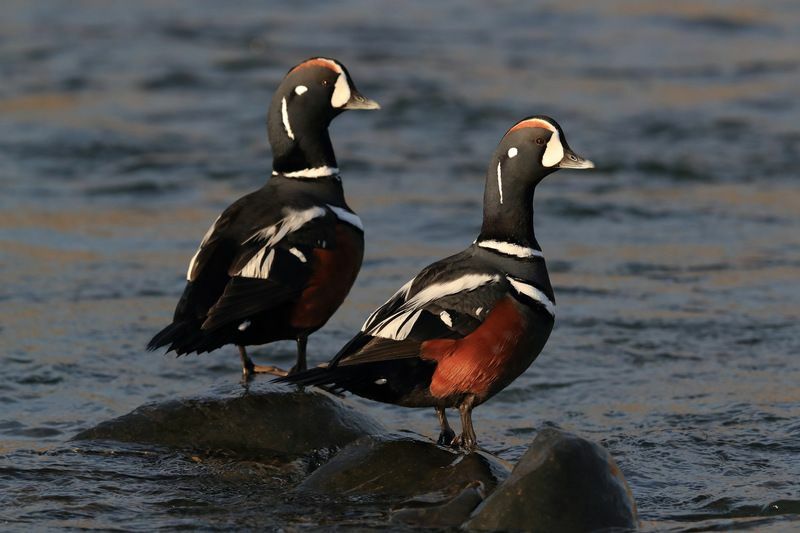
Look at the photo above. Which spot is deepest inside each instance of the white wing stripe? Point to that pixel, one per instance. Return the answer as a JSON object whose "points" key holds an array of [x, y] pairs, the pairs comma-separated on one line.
{"points": [[257, 267], [207, 236], [399, 325], [346, 216], [292, 221], [402, 290], [535, 294]]}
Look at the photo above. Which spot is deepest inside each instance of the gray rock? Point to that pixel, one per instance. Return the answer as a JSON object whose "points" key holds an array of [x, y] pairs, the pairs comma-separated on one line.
{"points": [[401, 467], [563, 483], [261, 418], [446, 508]]}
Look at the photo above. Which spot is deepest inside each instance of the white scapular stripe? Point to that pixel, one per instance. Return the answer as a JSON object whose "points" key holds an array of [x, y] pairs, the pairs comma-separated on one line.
{"points": [[509, 248], [341, 91], [554, 152], [316, 172], [258, 267], [446, 318], [500, 182], [193, 260], [401, 292], [291, 221], [399, 325], [298, 254], [285, 117], [346, 216], [532, 292], [244, 325]]}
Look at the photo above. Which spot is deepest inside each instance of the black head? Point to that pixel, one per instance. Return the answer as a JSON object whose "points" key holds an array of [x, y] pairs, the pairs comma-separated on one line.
{"points": [[533, 148], [311, 95]]}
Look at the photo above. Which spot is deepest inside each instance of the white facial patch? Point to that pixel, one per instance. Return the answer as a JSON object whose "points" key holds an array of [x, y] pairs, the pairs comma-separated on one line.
{"points": [[512, 152], [285, 117], [341, 91], [554, 152], [300, 89]]}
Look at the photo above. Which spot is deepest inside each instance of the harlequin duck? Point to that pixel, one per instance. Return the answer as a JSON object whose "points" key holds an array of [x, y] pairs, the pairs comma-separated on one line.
{"points": [[466, 326], [278, 262]]}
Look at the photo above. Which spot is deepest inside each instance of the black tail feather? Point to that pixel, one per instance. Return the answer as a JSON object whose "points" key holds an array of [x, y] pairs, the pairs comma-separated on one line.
{"points": [[314, 376], [180, 336]]}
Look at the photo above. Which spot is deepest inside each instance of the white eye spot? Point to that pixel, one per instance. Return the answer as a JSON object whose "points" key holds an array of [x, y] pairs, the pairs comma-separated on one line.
{"points": [[554, 152], [341, 91], [512, 152], [381, 381], [300, 89]]}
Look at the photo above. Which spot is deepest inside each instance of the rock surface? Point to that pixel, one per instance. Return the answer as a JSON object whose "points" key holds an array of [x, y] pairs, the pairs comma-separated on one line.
{"points": [[401, 467], [562, 483], [260, 418]]}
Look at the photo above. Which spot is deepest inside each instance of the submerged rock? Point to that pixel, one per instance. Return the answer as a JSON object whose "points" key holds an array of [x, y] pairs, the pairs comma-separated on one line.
{"points": [[562, 483], [401, 467], [262, 417]]}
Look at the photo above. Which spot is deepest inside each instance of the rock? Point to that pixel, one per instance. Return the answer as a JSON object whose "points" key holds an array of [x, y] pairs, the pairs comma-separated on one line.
{"points": [[447, 508], [563, 483], [263, 417], [401, 467]]}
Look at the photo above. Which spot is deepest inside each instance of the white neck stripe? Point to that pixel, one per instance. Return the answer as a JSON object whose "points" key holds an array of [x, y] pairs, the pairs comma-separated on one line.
{"points": [[285, 117], [509, 248], [316, 172], [500, 182]]}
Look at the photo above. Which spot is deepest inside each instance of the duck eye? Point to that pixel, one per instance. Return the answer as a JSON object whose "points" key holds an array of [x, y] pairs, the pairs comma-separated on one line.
{"points": [[325, 83], [540, 141]]}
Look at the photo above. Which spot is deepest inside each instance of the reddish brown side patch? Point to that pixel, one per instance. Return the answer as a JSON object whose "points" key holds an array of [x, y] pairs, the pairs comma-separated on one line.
{"points": [[472, 364], [334, 273]]}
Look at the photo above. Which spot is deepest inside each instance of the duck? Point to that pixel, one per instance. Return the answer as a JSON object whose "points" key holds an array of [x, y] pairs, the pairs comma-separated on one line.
{"points": [[279, 261], [466, 326]]}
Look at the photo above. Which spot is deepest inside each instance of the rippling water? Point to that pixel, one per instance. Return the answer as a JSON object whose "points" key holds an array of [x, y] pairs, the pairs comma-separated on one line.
{"points": [[127, 127]]}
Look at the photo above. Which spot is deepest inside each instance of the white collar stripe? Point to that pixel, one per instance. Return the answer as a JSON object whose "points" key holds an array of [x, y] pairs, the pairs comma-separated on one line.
{"points": [[316, 172], [509, 248]]}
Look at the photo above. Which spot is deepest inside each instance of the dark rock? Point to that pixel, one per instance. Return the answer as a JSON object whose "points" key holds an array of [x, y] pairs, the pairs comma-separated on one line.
{"points": [[446, 508], [263, 417], [401, 467], [563, 483]]}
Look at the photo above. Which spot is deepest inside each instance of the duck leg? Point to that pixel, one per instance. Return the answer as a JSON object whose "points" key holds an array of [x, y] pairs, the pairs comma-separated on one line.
{"points": [[300, 366], [446, 434], [467, 440], [248, 368]]}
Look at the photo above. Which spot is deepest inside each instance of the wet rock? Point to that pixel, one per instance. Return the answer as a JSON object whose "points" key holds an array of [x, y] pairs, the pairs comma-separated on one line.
{"points": [[446, 508], [562, 483], [263, 417], [401, 467]]}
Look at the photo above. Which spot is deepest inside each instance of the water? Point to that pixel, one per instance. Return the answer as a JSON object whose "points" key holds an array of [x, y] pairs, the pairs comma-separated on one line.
{"points": [[127, 127]]}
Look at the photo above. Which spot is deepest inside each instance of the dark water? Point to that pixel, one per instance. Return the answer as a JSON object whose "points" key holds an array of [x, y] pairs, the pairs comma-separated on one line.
{"points": [[127, 127]]}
